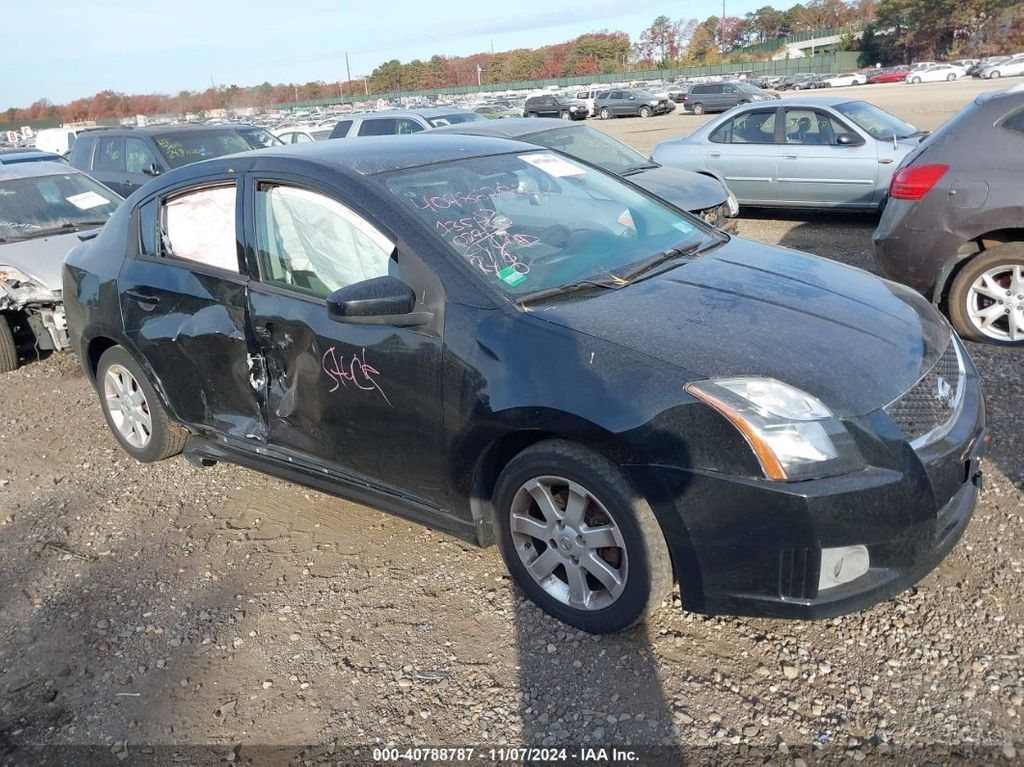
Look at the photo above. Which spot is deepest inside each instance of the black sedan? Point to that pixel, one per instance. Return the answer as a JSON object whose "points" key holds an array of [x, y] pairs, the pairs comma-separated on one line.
{"points": [[701, 195], [514, 346]]}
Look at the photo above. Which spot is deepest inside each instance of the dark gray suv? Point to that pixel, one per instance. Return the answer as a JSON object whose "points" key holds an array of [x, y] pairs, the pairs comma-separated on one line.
{"points": [[952, 228], [627, 103], [718, 97]]}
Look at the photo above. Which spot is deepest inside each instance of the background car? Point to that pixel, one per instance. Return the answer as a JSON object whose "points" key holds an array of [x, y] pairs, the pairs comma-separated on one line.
{"points": [[516, 347], [17, 156], [303, 134], [718, 97], [124, 159], [975, 69], [551, 105], [844, 79], [622, 102], [701, 195], [400, 122], [936, 73], [952, 225], [819, 152], [1013, 67], [891, 75], [43, 205], [677, 92]]}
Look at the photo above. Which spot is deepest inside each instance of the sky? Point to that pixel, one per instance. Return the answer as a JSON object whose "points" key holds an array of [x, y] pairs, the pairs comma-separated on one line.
{"points": [[66, 50]]}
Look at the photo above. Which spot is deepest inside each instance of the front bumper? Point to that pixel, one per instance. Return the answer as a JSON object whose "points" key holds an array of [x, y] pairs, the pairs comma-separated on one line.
{"points": [[744, 546]]}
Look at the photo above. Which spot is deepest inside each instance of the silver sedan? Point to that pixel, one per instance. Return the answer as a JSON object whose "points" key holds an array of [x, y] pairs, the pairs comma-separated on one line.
{"points": [[813, 152]]}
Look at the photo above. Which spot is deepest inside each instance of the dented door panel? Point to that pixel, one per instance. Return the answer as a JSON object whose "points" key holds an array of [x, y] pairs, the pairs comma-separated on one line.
{"points": [[191, 327]]}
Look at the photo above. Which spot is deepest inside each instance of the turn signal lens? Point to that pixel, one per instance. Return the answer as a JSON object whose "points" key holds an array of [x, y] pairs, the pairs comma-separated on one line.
{"points": [[915, 181]]}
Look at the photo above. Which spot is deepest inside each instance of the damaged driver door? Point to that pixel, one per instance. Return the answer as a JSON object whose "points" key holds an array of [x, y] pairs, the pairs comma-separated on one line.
{"points": [[183, 301]]}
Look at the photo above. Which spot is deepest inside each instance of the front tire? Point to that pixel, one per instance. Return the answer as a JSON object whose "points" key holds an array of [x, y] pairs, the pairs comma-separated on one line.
{"points": [[995, 74], [8, 349], [915, 80], [579, 541], [133, 409], [565, 115], [986, 300], [950, 77], [605, 114], [645, 111]]}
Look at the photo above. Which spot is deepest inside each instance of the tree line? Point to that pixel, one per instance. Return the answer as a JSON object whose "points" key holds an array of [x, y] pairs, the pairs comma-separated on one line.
{"points": [[886, 31]]}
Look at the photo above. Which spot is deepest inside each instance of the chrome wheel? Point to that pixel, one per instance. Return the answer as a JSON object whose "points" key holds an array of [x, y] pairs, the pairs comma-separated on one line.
{"points": [[995, 303], [127, 406], [569, 543]]}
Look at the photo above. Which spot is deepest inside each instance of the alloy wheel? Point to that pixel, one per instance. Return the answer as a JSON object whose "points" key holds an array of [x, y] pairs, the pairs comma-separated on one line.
{"points": [[569, 542], [127, 406], [995, 303]]}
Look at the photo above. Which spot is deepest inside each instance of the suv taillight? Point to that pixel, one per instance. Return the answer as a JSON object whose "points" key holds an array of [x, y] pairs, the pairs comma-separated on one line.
{"points": [[915, 181]]}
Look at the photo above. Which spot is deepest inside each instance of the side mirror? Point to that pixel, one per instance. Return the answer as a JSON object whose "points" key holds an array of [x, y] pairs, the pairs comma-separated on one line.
{"points": [[632, 98], [848, 139], [380, 301], [152, 169]]}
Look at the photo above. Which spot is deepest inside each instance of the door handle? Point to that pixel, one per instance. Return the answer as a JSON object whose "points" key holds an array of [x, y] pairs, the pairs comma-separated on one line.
{"points": [[789, 156], [144, 299], [714, 154]]}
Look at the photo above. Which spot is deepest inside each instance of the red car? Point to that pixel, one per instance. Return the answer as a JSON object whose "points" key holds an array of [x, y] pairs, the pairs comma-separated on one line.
{"points": [[891, 76]]}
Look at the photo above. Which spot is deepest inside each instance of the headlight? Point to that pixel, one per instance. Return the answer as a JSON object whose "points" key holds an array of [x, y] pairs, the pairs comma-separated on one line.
{"points": [[653, 102], [12, 275], [792, 433]]}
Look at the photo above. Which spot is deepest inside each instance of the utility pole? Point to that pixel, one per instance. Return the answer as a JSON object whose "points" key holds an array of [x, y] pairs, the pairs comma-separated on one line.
{"points": [[721, 30], [479, 71], [348, 72]]}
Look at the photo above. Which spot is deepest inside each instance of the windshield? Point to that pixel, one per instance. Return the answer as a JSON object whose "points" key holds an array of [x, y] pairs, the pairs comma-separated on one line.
{"points": [[188, 147], [32, 207], [748, 88], [536, 221], [257, 138], [879, 123], [593, 146], [454, 118]]}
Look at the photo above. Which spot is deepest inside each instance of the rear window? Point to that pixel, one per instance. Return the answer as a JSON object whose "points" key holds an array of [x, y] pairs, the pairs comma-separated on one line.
{"points": [[454, 119], [184, 148]]}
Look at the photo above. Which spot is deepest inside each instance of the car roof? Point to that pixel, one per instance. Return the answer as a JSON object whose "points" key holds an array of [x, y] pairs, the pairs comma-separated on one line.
{"points": [[26, 151], [817, 101], [380, 154], [40, 169], [174, 128], [510, 127], [425, 112]]}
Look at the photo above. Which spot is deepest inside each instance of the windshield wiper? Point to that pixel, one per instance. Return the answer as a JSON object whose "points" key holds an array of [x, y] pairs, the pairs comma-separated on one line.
{"points": [[572, 287], [637, 168], [662, 257], [66, 226]]}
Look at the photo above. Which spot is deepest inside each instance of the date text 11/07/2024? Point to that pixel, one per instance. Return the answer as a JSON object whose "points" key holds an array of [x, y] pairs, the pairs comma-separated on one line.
{"points": [[501, 755]]}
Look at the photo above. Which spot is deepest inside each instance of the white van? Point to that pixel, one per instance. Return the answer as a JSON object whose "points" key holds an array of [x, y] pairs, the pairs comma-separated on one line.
{"points": [[57, 140], [587, 96]]}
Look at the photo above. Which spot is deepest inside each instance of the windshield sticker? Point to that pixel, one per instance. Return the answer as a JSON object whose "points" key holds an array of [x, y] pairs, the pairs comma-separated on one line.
{"points": [[683, 227], [87, 200], [511, 276], [626, 219], [552, 165]]}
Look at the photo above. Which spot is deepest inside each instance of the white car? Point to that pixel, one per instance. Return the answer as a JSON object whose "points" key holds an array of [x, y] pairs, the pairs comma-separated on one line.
{"points": [[1014, 66], [936, 73], [303, 134], [845, 78]]}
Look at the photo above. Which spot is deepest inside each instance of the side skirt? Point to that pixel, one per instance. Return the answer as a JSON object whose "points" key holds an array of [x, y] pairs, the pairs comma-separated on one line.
{"points": [[202, 451]]}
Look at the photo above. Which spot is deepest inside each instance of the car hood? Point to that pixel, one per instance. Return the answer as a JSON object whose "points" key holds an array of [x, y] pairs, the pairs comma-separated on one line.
{"points": [[41, 258], [684, 189], [853, 340]]}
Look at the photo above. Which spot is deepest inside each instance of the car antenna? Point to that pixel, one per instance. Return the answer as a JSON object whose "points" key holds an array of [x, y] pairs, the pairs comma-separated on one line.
{"points": [[895, 146]]}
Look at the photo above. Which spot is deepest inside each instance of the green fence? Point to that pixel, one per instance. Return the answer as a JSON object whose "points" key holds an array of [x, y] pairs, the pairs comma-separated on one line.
{"points": [[830, 62]]}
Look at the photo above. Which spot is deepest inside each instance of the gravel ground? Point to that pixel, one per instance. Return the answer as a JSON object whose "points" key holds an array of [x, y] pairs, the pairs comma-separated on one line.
{"points": [[166, 604]]}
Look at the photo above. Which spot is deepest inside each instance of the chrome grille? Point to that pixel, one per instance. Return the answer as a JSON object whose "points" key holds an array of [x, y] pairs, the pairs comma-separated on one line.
{"points": [[926, 411]]}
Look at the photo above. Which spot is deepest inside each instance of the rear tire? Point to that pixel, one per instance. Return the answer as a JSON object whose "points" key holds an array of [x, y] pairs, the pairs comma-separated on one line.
{"points": [[697, 109], [579, 541], [8, 350], [133, 410], [979, 306], [915, 80]]}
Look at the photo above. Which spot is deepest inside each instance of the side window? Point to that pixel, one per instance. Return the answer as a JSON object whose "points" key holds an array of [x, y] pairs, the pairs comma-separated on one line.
{"points": [[380, 126], [757, 127], [148, 229], [109, 154], [407, 126], [809, 126], [300, 138], [730, 89], [138, 155], [308, 242], [199, 226], [1015, 122], [341, 129]]}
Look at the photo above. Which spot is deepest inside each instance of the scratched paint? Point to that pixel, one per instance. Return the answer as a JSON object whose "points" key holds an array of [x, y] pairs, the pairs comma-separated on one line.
{"points": [[355, 371]]}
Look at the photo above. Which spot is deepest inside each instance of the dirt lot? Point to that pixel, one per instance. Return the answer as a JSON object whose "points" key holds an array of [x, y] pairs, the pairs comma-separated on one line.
{"points": [[165, 604]]}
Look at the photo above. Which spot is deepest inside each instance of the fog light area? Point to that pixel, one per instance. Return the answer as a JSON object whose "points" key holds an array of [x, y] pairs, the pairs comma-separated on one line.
{"points": [[842, 565]]}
